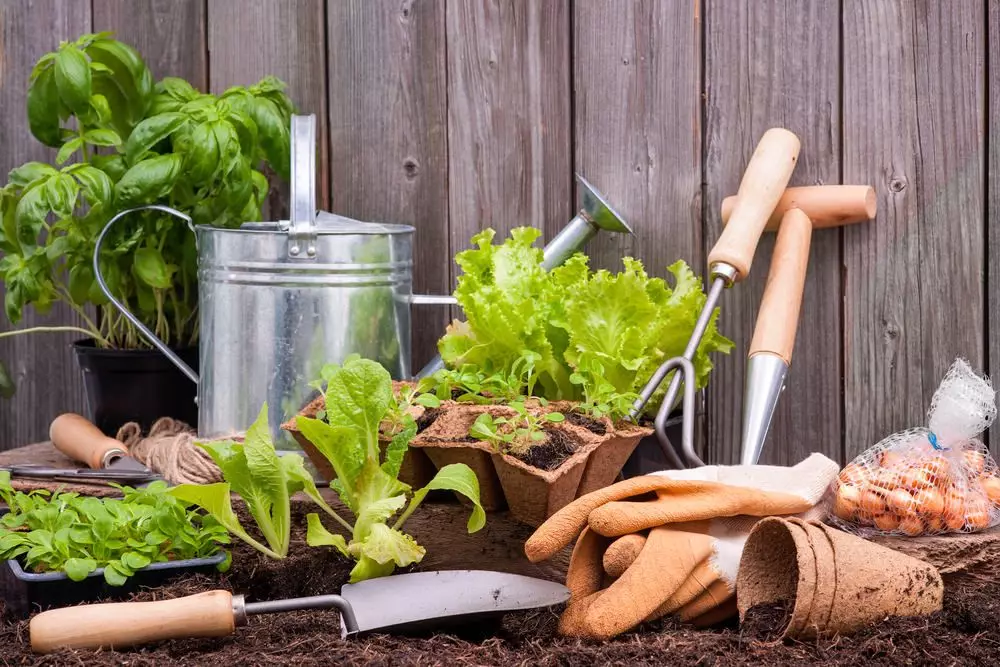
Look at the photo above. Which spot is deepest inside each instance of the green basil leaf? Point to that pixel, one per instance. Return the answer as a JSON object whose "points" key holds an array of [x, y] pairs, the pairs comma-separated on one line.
{"points": [[60, 195], [68, 148], [273, 135], [30, 214], [81, 277], [150, 132], [147, 181], [102, 138], [29, 172], [43, 109], [151, 268], [96, 184], [239, 187], [246, 129], [100, 67], [229, 146], [101, 109], [7, 386], [112, 165], [203, 154], [73, 79], [130, 75]]}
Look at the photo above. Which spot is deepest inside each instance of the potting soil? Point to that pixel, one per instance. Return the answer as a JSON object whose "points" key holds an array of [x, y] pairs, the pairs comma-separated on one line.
{"points": [[550, 453], [966, 632]]}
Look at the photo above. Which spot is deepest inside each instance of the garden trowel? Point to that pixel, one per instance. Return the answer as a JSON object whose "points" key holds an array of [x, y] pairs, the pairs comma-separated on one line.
{"points": [[398, 603], [81, 440]]}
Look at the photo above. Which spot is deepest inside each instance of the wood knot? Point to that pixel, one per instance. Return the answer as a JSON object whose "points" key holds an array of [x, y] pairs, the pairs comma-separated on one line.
{"points": [[411, 167], [897, 184]]}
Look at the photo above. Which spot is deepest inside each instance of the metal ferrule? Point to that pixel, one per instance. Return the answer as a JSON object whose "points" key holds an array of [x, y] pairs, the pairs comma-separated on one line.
{"points": [[764, 382], [240, 610], [726, 272]]}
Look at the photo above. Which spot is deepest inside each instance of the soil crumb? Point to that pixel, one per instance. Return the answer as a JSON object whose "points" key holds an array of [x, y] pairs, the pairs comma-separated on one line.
{"points": [[586, 422], [766, 622], [550, 453], [427, 418]]}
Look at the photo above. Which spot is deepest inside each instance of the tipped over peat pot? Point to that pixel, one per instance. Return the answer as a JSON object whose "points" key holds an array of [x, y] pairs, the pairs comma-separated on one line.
{"points": [[136, 386]]}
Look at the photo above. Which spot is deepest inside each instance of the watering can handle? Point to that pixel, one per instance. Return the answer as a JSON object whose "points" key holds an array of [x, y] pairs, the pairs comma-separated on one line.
{"points": [[302, 226], [149, 335]]}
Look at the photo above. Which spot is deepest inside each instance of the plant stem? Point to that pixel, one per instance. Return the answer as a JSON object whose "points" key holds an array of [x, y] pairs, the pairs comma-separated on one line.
{"points": [[339, 519], [92, 334]]}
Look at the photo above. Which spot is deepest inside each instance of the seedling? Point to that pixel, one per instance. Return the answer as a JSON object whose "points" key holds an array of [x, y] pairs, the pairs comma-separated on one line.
{"points": [[516, 434], [66, 532], [600, 398]]}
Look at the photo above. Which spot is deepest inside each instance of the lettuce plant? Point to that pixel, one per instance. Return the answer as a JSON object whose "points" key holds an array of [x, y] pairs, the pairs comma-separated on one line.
{"points": [[265, 481], [590, 335], [358, 398]]}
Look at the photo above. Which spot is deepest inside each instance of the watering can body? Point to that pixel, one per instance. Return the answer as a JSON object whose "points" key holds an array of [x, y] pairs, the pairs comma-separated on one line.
{"points": [[278, 300]]}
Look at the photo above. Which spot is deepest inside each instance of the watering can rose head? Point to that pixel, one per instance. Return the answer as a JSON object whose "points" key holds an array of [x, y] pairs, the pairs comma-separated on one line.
{"points": [[132, 143], [572, 332]]}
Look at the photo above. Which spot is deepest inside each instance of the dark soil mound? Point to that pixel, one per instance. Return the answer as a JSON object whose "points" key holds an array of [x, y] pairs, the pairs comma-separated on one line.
{"points": [[550, 453], [586, 422], [966, 632]]}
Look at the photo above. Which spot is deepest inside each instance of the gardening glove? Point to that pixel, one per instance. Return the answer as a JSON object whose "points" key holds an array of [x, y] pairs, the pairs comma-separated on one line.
{"points": [[678, 551]]}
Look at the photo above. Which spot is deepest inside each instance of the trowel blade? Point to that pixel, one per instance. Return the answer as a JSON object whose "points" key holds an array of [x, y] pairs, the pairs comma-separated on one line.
{"points": [[426, 599]]}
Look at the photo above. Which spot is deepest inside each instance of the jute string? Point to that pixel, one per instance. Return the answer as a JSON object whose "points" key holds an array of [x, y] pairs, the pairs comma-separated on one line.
{"points": [[169, 450]]}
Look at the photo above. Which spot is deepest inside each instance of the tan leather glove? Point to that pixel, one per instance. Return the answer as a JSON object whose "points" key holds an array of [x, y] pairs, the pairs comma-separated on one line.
{"points": [[686, 563]]}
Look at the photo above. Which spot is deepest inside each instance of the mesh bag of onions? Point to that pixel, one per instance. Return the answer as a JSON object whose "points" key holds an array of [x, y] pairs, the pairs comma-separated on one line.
{"points": [[928, 481]]}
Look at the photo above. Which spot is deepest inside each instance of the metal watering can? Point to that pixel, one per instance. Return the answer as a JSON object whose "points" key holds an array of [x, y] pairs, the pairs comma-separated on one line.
{"points": [[278, 300]]}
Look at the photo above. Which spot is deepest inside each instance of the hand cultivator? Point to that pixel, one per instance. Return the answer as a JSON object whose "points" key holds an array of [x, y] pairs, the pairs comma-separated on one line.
{"points": [[793, 213]]}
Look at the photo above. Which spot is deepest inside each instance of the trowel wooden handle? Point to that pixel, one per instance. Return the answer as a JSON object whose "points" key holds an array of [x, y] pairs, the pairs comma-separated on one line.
{"points": [[121, 624], [79, 439], [826, 205], [778, 318], [763, 183]]}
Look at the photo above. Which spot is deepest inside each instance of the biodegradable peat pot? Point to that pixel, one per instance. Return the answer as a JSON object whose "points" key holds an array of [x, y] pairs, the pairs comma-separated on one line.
{"points": [[836, 582], [417, 470], [447, 441], [136, 386], [534, 494]]}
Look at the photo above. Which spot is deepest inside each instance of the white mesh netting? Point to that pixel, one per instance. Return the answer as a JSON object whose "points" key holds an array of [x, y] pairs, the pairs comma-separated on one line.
{"points": [[928, 481]]}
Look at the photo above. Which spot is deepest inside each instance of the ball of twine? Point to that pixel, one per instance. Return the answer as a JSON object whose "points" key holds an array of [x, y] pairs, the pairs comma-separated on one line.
{"points": [[169, 450]]}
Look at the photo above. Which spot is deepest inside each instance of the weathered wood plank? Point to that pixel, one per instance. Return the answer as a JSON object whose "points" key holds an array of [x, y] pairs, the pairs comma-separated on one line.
{"points": [[637, 69], [913, 127], [637, 85], [170, 34], [42, 364], [388, 135], [251, 39], [510, 161], [993, 208], [776, 64]]}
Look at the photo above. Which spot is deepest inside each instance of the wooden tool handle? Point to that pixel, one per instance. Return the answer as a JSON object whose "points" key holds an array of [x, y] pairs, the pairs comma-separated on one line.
{"points": [[826, 205], [79, 439], [778, 317], [122, 624], [763, 183]]}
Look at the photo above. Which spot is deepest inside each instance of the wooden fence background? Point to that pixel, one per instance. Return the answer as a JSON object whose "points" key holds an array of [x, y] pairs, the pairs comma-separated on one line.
{"points": [[454, 115]]}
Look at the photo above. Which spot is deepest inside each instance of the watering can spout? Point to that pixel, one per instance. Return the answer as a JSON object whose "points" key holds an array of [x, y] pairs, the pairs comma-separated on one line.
{"points": [[594, 214]]}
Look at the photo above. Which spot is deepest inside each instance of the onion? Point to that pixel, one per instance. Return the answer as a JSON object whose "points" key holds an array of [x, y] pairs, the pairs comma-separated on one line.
{"points": [[911, 525], [929, 502], [872, 500], [900, 501], [991, 486], [846, 503], [976, 460], [887, 521]]}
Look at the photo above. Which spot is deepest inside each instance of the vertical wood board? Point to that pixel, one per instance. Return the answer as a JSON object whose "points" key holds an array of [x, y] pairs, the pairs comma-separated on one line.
{"points": [[42, 364], [388, 135], [913, 119], [251, 39], [775, 64], [509, 155], [169, 34]]}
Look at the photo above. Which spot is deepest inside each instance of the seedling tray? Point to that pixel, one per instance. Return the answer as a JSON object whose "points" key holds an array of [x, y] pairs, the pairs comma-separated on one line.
{"points": [[24, 593]]}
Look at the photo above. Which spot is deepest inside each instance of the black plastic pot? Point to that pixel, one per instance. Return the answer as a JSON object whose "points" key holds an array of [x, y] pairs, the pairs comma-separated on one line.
{"points": [[24, 593], [136, 386]]}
